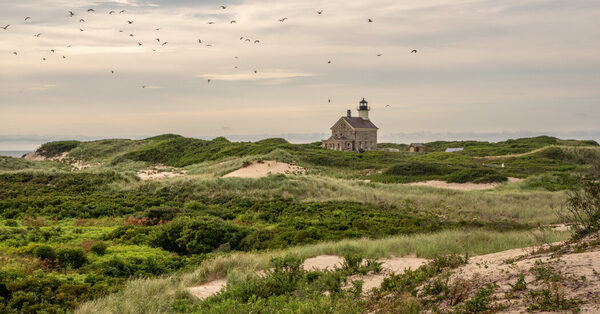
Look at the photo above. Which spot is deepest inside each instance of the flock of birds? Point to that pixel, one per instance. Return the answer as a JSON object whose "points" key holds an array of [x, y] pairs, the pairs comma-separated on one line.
{"points": [[160, 42]]}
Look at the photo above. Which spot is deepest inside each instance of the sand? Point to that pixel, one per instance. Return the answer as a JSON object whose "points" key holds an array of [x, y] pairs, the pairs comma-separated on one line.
{"points": [[323, 262], [34, 156], [462, 186], [265, 168], [208, 289]]}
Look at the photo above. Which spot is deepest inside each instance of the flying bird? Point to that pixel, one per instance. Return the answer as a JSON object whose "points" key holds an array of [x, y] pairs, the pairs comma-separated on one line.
{"points": [[64, 57], [5, 27], [329, 62], [37, 35], [81, 20], [248, 40], [91, 10], [120, 31], [130, 22], [283, 19], [242, 38], [139, 44], [199, 41], [14, 53], [329, 100], [320, 12], [157, 29], [111, 12], [255, 71], [166, 42], [210, 23], [71, 13], [233, 21], [257, 41], [52, 50], [380, 54], [130, 35], [122, 11], [143, 86], [387, 105], [414, 51], [209, 45], [370, 21], [223, 7], [43, 59], [81, 29], [28, 18], [208, 80], [158, 39], [112, 71]]}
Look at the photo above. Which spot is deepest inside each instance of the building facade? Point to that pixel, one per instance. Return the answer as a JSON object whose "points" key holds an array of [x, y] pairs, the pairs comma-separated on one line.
{"points": [[417, 148], [353, 134]]}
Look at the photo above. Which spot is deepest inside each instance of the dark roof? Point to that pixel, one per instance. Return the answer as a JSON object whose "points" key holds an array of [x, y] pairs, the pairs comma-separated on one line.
{"points": [[417, 144], [359, 123]]}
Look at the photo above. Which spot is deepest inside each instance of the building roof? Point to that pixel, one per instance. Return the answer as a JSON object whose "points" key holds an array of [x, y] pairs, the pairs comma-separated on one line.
{"points": [[451, 150], [360, 123], [417, 144]]}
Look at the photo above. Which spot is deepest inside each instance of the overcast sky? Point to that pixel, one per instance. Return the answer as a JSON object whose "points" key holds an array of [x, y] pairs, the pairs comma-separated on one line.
{"points": [[483, 67]]}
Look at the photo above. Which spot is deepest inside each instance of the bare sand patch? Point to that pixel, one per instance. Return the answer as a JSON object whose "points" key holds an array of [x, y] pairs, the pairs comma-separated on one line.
{"points": [[323, 262], [158, 172], [35, 156], [262, 169], [462, 186], [208, 289], [389, 265]]}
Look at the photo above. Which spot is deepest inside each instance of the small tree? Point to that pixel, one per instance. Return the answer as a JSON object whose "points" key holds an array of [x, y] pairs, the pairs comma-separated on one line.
{"points": [[583, 204]]}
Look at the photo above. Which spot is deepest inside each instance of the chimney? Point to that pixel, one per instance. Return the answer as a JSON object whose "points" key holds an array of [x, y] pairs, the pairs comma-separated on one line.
{"points": [[349, 113]]}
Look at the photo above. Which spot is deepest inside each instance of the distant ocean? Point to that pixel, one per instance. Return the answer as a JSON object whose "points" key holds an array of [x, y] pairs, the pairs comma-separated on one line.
{"points": [[13, 153]]}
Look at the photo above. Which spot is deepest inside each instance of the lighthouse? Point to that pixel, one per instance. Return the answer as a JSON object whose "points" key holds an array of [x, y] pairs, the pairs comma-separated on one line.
{"points": [[363, 109]]}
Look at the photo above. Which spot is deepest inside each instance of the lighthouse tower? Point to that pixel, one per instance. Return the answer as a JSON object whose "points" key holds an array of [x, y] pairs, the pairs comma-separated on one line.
{"points": [[363, 109]]}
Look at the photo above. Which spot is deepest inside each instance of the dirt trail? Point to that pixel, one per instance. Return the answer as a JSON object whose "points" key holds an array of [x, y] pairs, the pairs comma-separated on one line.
{"points": [[264, 168], [534, 151], [462, 186]]}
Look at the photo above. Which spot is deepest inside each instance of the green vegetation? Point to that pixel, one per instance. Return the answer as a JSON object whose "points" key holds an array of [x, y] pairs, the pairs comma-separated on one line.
{"points": [[101, 235]]}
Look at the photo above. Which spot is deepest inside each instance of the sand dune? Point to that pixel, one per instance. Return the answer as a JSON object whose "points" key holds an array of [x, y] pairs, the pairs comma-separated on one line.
{"points": [[262, 169]]}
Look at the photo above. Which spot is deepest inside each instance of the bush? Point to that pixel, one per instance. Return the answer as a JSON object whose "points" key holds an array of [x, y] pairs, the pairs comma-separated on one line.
{"points": [[476, 175], [583, 207], [53, 149], [99, 248], [71, 257], [44, 252]]}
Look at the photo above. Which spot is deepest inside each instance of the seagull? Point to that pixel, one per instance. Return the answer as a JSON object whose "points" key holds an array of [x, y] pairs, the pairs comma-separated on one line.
{"points": [[71, 13], [112, 71], [380, 54], [158, 39], [139, 44], [199, 41], [209, 45], [166, 42], [235, 67], [255, 71], [111, 12], [283, 19], [37, 35], [52, 50], [370, 21], [14, 53], [329, 100], [68, 46], [43, 59], [120, 31], [210, 23], [81, 20], [28, 18], [130, 22], [414, 51], [242, 38], [130, 35], [232, 21], [248, 40], [143, 86], [223, 7], [91, 10], [64, 57], [329, 62], [208, 80], [157, 29], [236, 57], [5, 27], [257, 41], [122, 11], [320, 12], [387, 105], [81, 29]]}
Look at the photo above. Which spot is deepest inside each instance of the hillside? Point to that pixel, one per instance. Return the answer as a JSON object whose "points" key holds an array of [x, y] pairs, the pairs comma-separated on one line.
{"points": [[105, 221]]}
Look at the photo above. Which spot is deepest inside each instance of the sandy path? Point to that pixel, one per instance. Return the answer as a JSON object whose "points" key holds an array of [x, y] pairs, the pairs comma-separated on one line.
{"points": [[323, 262], [206, 290], [263, 169], [462, 186]]}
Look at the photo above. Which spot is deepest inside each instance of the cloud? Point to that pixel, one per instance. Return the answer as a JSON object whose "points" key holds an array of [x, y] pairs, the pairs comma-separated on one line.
{"points": [[274, 75]]}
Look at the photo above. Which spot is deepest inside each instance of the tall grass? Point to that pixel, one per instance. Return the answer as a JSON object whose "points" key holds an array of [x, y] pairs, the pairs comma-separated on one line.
{"points": [[155, 295]]}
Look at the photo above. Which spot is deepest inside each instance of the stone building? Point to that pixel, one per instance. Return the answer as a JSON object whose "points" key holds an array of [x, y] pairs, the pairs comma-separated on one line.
{"points": [[417, 148], [353, 134]]}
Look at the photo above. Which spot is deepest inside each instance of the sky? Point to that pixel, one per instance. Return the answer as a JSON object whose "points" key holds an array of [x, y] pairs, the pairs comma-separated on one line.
{"points": [[484, 69]]}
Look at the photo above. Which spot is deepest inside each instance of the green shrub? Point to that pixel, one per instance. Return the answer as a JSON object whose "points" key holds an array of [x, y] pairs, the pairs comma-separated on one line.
{"points": [[476, 175], [71, 257], [480, 303], [53, 149], [99, 248], [44, 252]]}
